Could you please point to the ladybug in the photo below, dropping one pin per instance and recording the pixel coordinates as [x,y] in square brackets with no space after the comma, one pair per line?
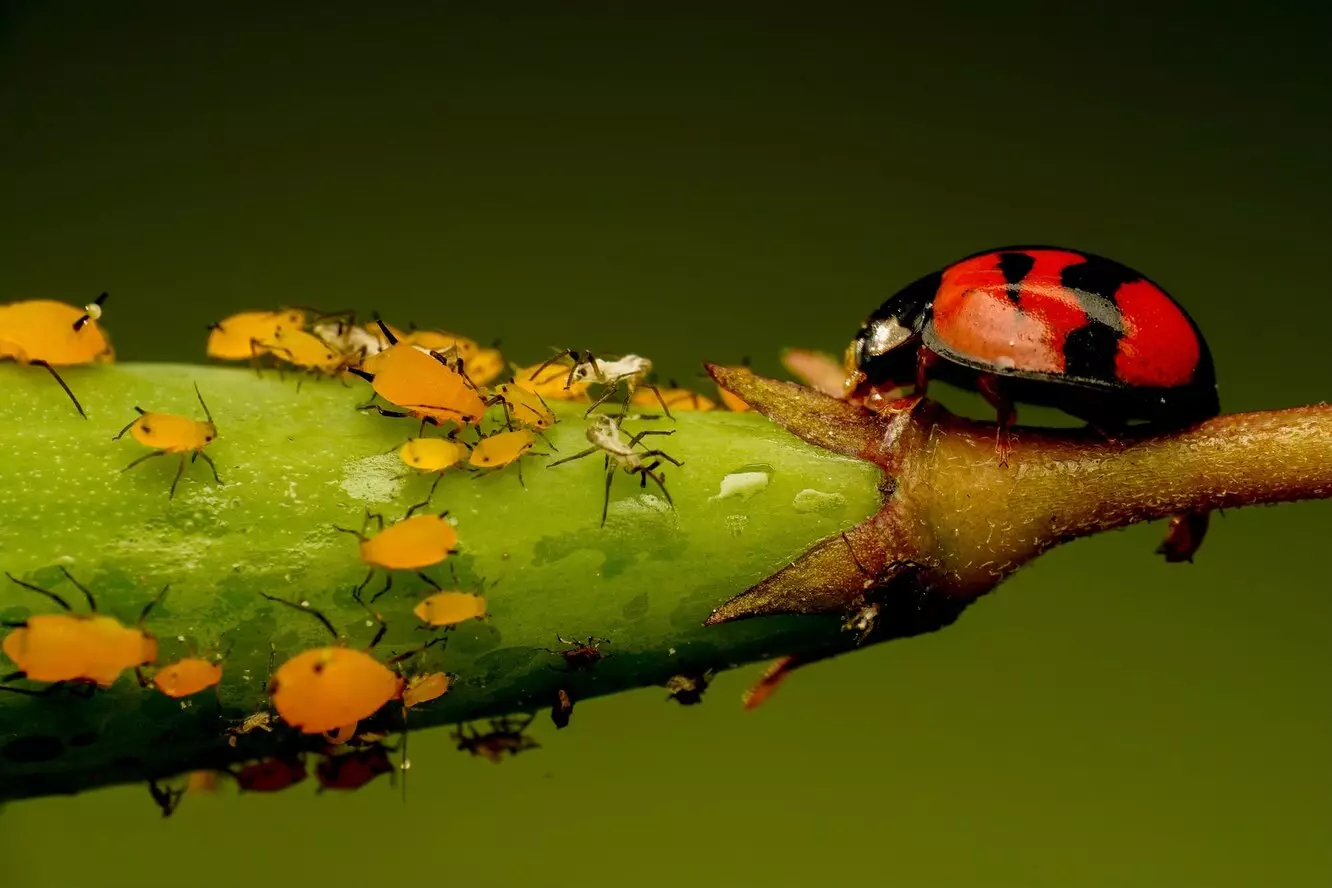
[1044,325]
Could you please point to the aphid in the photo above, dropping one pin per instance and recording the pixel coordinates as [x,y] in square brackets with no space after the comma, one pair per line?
[485,366]
[495,451]
[505,735]
[52,334]
[451,607]
[632,370]
[271,774]
[424,385]
[357,344]
[1044,325]
[320,690]
[687,689]
[239,337]
[525,406]
[818,370]
[202,782]
[732,401]
[187,677]
[352,770]
[562,709]
[424,688]
[436,455]
[166,798]
[168,433]
[549,381]
[87,648]
[680,398]
[415,542]
[579,654]
[768,683]
[605,434]
[306,351]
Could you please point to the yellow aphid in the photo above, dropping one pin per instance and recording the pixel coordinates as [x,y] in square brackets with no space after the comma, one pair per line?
[485,366]
[548,380]
[525,406]
[501,449]
[52,334]
[424,688]
[306,351]
[239,337]
[450,608]
[169,433]
[433,454]
[673,399]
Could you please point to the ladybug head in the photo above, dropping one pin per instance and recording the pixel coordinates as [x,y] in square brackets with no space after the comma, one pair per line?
[885,347]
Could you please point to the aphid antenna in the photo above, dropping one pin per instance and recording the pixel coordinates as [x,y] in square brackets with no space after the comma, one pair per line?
[306,610]
[208,415]
[89,310]
[39,590]
[148,608]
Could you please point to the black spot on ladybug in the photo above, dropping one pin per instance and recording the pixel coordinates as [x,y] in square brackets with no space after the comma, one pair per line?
[1089,353]
[1099,275]
[1015,267]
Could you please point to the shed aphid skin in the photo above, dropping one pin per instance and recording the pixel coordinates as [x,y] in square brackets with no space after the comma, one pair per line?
[580,655]
[505,735]
[605,434]
[447,609]
[687,688]
[239,337]
[435,455]
[257,721]
[562,709]
[50,334]
[65,648]
[414,543]
[321,690]
[168,433]
[632,370]
[500,449]
[550,381]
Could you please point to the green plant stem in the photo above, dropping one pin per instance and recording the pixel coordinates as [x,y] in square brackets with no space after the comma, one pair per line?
[296,463]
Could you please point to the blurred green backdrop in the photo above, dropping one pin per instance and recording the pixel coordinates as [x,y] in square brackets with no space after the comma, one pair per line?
[692,184]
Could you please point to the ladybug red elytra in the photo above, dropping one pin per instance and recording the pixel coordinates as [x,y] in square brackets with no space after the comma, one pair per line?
[1044,325]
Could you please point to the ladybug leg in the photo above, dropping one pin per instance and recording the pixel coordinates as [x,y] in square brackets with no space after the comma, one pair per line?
[1184,536]
[989,387]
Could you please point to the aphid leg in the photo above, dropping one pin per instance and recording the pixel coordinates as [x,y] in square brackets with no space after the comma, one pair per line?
[143,680]
[147,455]
[991,390]
[439,476]
[63,385]
[519,463]
[605,500]
[411,510]
[131,423]
[657,477]
[306,610]
[388,584]
[356,593]
[549,443]
[396,414]
[179,472]
[148,608]
[208,459]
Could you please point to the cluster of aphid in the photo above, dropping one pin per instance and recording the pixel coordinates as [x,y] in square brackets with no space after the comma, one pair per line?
[340,693]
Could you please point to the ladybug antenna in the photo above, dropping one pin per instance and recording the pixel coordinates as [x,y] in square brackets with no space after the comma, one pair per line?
[91,312]
[306,610]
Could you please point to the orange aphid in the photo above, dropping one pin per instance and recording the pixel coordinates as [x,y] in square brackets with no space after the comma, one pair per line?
[450,608]
[187,677]
[322,690]
[89,648]
[168,433]
[731,401]
[425,385]
[240,337]
[415,542]
[53,334]
[424,688]
[674,398]
[525,405]
[548,380]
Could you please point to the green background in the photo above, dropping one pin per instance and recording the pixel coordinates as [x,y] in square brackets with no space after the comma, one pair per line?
[691,184]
